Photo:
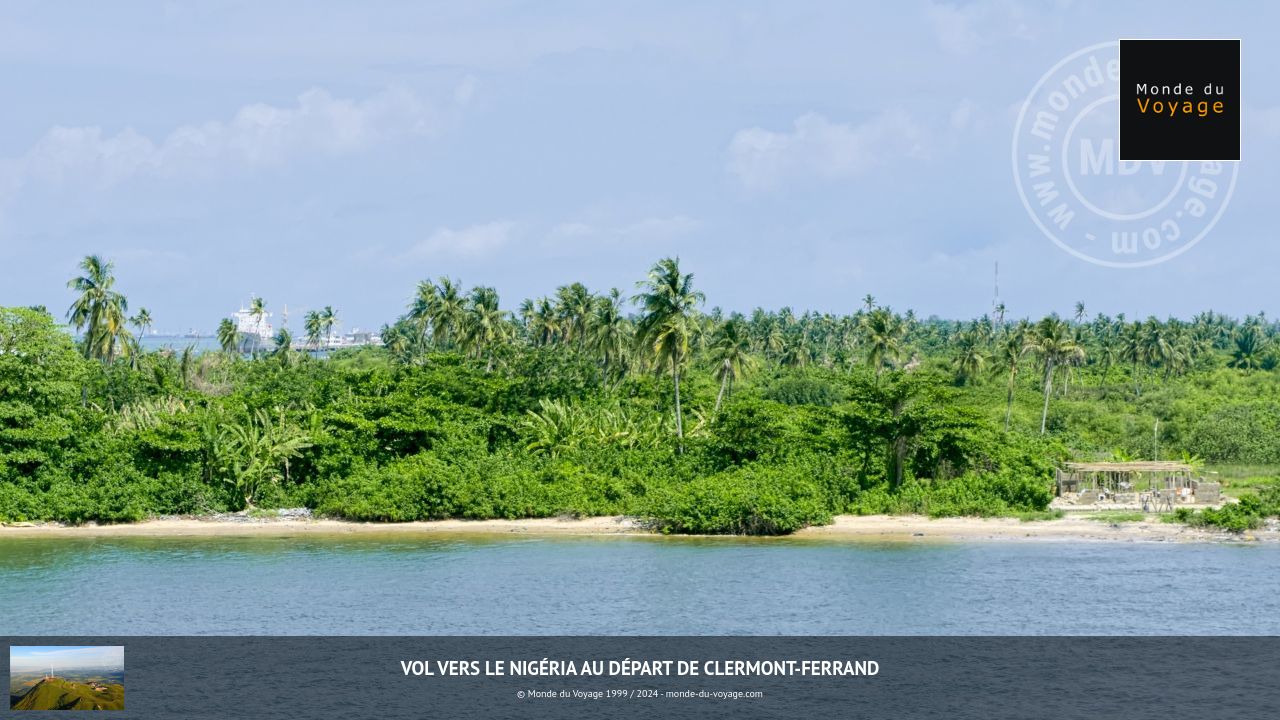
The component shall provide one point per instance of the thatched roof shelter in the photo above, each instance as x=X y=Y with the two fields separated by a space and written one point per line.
x=1124 y=476
x=1140 y=466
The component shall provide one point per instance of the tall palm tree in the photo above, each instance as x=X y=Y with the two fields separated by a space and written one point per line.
x=395 y=340
x=1107 y=349
x=970 y=358
x=574 y=305
x=99 y=310
x=258 y=310
x=1011 y=350
x=668 y=304
x=1250 y=348
x=142 y=321
x=543 y=326
x=883 y=334
x=283 y=350
x=1052 y=341
x=448 y=313
x=328 y=319
x=485 y=324
x=422 y=309
x=608 y=331
x=1134 y=349
x=228 y=336
x=313 y=325
x=731 y=355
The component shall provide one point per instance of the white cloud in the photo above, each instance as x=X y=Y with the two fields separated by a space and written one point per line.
x=954 y=27
x=817 y=147
x=257 y=135
x=647 y=229
x=962 y=28
x=476 y=241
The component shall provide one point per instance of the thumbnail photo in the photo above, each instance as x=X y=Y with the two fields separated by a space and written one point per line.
x=66 y=677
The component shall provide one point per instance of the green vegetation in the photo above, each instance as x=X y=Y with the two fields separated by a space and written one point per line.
x=63 y=694
x=588 y=403
x=1250 y=513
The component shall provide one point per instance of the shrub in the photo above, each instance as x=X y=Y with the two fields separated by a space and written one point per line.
x=805 y=391
x=1248 y=514
x=976 y=494
x=743 y=501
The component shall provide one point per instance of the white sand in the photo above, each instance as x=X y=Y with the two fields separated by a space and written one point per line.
x=910 y=528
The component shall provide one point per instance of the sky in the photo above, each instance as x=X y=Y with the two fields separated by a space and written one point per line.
x=791 y=154
x=31 y=658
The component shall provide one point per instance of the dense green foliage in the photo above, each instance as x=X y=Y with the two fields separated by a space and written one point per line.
x=701 y=423
x=63 y=694
x=1248 y=514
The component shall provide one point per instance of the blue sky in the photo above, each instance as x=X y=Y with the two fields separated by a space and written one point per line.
x=32 y=658
x=800 y=154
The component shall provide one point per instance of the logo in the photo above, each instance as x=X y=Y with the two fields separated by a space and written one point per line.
x=1082 y=196
x=1180 y=100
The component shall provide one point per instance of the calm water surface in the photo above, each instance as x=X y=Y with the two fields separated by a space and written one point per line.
x=501 y=586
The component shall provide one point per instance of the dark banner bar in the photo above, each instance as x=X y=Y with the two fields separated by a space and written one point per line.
x=682 y=677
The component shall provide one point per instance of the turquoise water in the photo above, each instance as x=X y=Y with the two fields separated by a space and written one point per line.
x=499 y=586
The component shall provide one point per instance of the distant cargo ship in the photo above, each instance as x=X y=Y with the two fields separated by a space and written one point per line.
x=256 y=331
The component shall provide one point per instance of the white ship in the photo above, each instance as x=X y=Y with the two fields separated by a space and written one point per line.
x=256 y=332
x=254 y=328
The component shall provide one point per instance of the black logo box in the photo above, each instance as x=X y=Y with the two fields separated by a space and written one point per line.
x=1186 y=67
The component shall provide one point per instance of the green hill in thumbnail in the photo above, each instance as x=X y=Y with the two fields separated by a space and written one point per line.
x=60 y=694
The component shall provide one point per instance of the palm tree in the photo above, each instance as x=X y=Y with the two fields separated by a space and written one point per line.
x=99 y=310
x=142 y=321
x=313 y=325
x=668 y=304
x=608 y=330
x=970 y=360
x=730 y=353
x=283 y=350
x=484 y=324
x=574 y=304
x=883 y=333
x=396 y=340
x=422 y=309
x=1134 y=349
x=1011 y=350
x=1108 y=350
x=328 y=318
x=541 y=322
x=1052 y=341
x=1251 y=348
x=448 y=313
x=228 y=336
x=258 y=311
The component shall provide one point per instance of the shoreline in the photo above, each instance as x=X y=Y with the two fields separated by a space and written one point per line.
x=850 y=528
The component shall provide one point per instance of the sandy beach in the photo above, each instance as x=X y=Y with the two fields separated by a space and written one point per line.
x=872 y=528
